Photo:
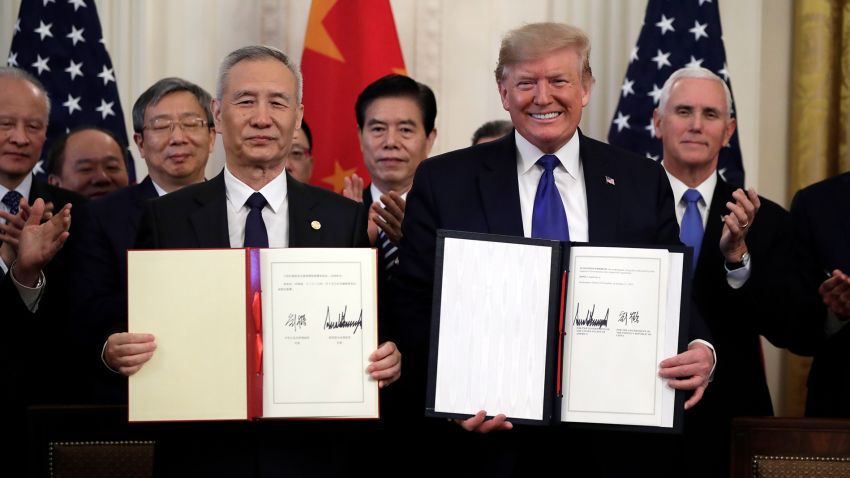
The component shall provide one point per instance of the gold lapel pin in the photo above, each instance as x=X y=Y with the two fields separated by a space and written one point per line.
x=316 y=225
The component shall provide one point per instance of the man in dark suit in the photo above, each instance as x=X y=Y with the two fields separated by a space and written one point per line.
x=175 y=134
x=253 y=203
x=24 y=113
x=598 y=193
x=744 y=283
x=821 y=217
x=395 y=120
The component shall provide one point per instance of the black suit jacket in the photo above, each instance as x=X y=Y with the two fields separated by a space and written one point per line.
x=475 y=189
x=766 y=304
x=106 y=227
x=195 y=217
x=821 y=215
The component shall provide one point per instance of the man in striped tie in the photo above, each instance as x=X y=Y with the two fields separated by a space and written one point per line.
x=395 y=116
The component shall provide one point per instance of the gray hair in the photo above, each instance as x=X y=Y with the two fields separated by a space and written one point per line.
x=693 y=72
x=12 y=72
x=162 y=88
x=257 y=52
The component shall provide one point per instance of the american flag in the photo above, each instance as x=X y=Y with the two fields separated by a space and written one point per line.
x=675 y=33
x=60 y=42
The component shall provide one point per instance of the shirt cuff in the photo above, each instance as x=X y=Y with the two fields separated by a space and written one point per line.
x=3 y=267
x=30 y=295
x=713 y=353
x=738 y=277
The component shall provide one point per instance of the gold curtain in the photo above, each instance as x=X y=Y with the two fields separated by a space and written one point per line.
x=819 y=126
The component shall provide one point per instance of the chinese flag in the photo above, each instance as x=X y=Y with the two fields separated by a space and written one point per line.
x=349 y=44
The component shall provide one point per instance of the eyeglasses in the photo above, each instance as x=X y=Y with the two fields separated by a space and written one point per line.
x=162 y=126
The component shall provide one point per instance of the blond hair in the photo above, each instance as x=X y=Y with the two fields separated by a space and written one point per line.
x=535 y=40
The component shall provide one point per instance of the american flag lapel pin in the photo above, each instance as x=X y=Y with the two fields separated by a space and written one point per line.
x=610 y=180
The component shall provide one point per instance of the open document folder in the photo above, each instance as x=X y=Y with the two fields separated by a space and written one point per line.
x=543 y=331
x=254 y=333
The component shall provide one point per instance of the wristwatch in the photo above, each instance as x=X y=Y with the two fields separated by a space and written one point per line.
x=745 y=259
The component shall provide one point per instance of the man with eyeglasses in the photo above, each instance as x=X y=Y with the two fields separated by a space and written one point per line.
x=174 y=132
x=89 y=161
x=299 y=162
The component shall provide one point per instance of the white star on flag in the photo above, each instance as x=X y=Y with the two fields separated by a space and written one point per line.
x=655 y=93
x=627 y=87
x=704 y=1
x=622 y=121
x=107 y=75
x=661 y=59
x=44 y=30
x=72 y=104
x=76 y=35
x=666 y=24
x=699 y=30
x=105 y=109
x=39 y=167
x=74 y=69
x=13 y=59
x=48 y=1
x=724 y=73
x=653 y=157
x=694 y=63
x=77 y=4
x=651 y=128
x=17 y=26
x=634 y=55
x=41 y=64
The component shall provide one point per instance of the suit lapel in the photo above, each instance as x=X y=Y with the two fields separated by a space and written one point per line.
x=499 y=189
x=301 y=203
x=602 y=197
x=209 y=221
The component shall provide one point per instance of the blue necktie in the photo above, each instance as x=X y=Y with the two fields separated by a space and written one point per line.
x=389 y=251
x=692 y=230
x=12 y=200
x=548 y=219
x=255 y=228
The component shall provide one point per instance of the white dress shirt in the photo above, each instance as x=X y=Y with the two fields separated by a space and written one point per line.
x=376 y=194
x=735 y=278
x=275 y=213
x=569 y=178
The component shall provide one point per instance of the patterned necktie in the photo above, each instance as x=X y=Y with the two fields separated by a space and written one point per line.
x=692 y=229
x=255 y=228
x=12 y=200
x=389 y=252
x=548 y=219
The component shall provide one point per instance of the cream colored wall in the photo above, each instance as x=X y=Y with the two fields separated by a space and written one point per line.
x=452 y=45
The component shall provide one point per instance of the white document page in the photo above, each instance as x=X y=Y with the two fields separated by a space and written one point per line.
x=615 y=335
x=493 y=328
x=193 y=302
x=319 y=328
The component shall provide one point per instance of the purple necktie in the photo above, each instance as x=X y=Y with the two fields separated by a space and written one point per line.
x=255 y=228
x=549 y=220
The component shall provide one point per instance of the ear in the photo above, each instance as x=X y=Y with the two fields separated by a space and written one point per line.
x=730 y=130
x=215 y=106
x=656 y=123
x=140 y=143
x=429 y=142
x=503 y=94
x=299 y=117
x=54 y=180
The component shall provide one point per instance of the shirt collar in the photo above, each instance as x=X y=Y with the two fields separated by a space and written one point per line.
x=159 y=191
x=706 y=188
x=238 y=192
x=568 y=155
x=23 y=187
x=376 y=194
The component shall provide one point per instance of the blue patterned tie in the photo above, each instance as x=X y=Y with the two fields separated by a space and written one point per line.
x=12 y=201
x=255 y=228
x=692 y=230
x=389 y=251
x=548 y=219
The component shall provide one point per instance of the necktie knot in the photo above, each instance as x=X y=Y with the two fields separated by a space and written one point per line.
x=692 y=196
x=548 y=162
x=12 y=200
x=256 y=201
